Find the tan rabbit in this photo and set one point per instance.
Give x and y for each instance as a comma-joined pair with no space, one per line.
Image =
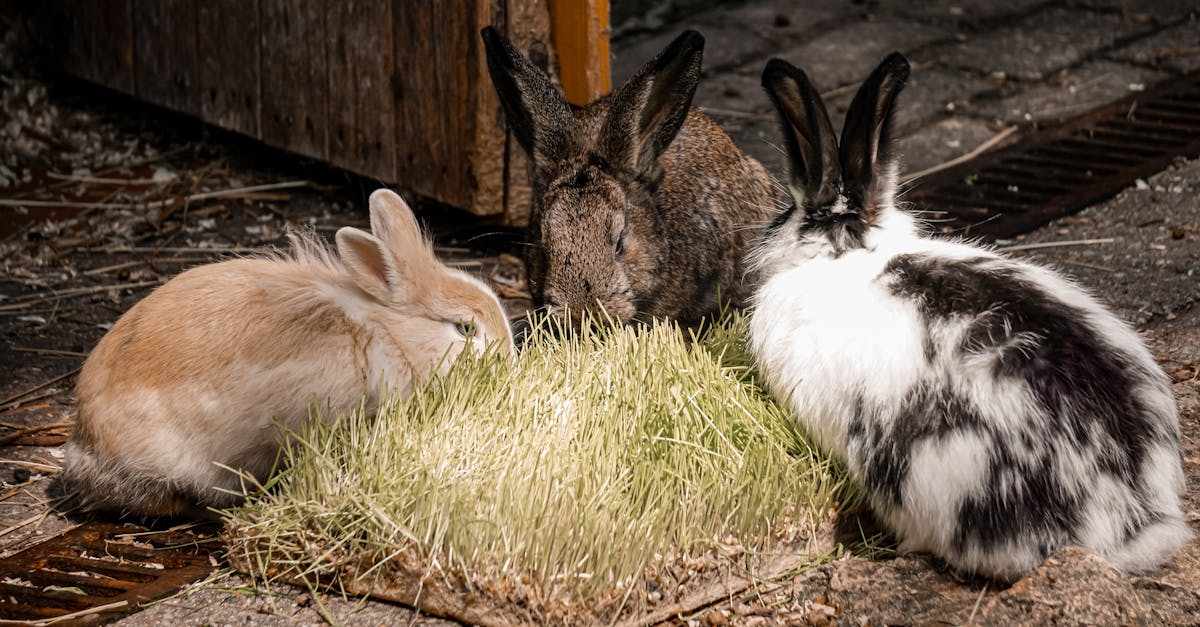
642,205
208,368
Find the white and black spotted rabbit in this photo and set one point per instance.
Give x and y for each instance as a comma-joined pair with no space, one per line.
993,410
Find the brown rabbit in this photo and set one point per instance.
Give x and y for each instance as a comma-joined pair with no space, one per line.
642,205
208,368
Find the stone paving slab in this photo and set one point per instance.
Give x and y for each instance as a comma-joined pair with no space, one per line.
1160,12
1176,48
961,13
1070,92
733,34
1041,43
846,55
943,141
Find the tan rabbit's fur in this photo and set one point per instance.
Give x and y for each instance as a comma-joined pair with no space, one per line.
642,205
208,368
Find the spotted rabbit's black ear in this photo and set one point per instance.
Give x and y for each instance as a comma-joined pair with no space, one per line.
537,113
814,173
867,152
647,112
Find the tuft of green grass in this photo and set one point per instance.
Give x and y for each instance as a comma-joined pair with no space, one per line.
579,463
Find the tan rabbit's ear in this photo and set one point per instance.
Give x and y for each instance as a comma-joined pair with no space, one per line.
369,263
393,222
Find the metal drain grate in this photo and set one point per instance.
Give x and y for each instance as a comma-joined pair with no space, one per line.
1057,171
99,571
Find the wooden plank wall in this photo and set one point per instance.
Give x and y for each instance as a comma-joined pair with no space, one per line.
362,123
390,89
165,49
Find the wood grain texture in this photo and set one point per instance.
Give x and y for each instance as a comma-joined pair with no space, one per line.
165,53
580,32
227,40
391,89
362,118
100,43
293,81
436,72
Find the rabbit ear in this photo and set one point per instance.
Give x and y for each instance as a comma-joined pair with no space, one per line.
393,255
647,112
369,263
867,146
537,113
393,223
815,174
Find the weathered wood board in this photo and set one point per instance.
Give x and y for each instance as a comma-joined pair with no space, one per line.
227,40
393,90
362,116
165,49
293,84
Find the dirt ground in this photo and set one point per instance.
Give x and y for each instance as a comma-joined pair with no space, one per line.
64,282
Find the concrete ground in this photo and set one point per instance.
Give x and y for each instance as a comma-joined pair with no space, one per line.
979,66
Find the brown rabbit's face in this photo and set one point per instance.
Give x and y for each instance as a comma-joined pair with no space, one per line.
595,238
593,228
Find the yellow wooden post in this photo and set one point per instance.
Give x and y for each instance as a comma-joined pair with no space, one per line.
580,32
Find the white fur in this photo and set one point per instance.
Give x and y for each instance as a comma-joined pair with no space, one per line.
826,331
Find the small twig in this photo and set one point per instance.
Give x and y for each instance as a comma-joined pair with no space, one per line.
1074,242
91,611
1083,264
982,148
24,403
14,527
20,409
145,262
977,602
17,488
151,249
731,113
35,388
33,465
48,351
1167,53
104,181
75,204
229,193
78,291
32,430
115,266
223,193
837,91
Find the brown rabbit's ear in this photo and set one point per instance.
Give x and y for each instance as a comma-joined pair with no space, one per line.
867,144
647,112
814,173
369,263
537,113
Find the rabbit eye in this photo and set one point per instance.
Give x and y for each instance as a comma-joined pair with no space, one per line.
619,246
466,329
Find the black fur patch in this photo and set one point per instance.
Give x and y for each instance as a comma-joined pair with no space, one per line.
925,414
1085,389
780,219
843,231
